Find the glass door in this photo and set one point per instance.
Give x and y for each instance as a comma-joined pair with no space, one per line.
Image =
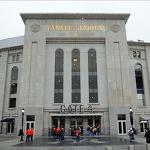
122,127
58,122
94,121
10,127
30,124
76,122
80,124
143,126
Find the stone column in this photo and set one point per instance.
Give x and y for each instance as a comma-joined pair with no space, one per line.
93,118
85,125
108,148
3,69
58,122
67,126
46,123
147,146
131,147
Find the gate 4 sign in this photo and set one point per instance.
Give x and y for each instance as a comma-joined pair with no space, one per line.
75,109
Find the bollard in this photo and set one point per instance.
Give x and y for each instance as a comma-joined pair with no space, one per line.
131,147
147,146
108,148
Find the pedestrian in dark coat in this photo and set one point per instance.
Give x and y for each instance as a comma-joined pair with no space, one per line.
131,134
147,135
21,133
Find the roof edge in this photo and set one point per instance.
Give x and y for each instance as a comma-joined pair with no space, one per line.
12,42
138,43
90,16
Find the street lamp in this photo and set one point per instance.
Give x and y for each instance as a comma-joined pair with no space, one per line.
22,124
131,117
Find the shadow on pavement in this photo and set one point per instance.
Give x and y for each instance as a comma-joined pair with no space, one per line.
84,141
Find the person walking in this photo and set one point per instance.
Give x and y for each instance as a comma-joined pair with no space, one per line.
31,134
53,132
94,130
58,132
27,135
131,134
21,134
62,133
147,135
77,134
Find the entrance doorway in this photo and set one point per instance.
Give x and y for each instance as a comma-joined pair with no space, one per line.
58,122
122,127
143,125
94,121
76,122
30,124
10,127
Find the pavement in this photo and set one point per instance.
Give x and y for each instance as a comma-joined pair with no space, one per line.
8,142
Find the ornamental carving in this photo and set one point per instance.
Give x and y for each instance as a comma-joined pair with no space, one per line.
115,28
35,28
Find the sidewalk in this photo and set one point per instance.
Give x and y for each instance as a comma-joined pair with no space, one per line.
86,143
138,138
6,141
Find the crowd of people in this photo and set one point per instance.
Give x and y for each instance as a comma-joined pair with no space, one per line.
132,132
29,134
91,131
57,133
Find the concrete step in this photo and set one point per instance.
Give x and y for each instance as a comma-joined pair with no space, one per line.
140,147
126,147
120,147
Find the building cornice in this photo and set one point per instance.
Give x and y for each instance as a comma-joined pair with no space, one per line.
133,43
12,48
78,16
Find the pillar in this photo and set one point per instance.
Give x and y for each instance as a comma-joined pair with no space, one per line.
147,146
67,126
108,148
85,125
131,147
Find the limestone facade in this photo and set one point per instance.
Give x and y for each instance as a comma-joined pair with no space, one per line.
116,60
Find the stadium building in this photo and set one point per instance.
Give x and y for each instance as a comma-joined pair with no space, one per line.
74,70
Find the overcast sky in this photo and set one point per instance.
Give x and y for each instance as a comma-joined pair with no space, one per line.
137,27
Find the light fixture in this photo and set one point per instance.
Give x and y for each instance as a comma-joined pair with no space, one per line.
131,110
75,59
22,110
131,116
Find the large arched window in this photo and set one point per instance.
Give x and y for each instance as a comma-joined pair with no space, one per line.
13,87
14,73
76,94
92,71
139,82
14,80
59,61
